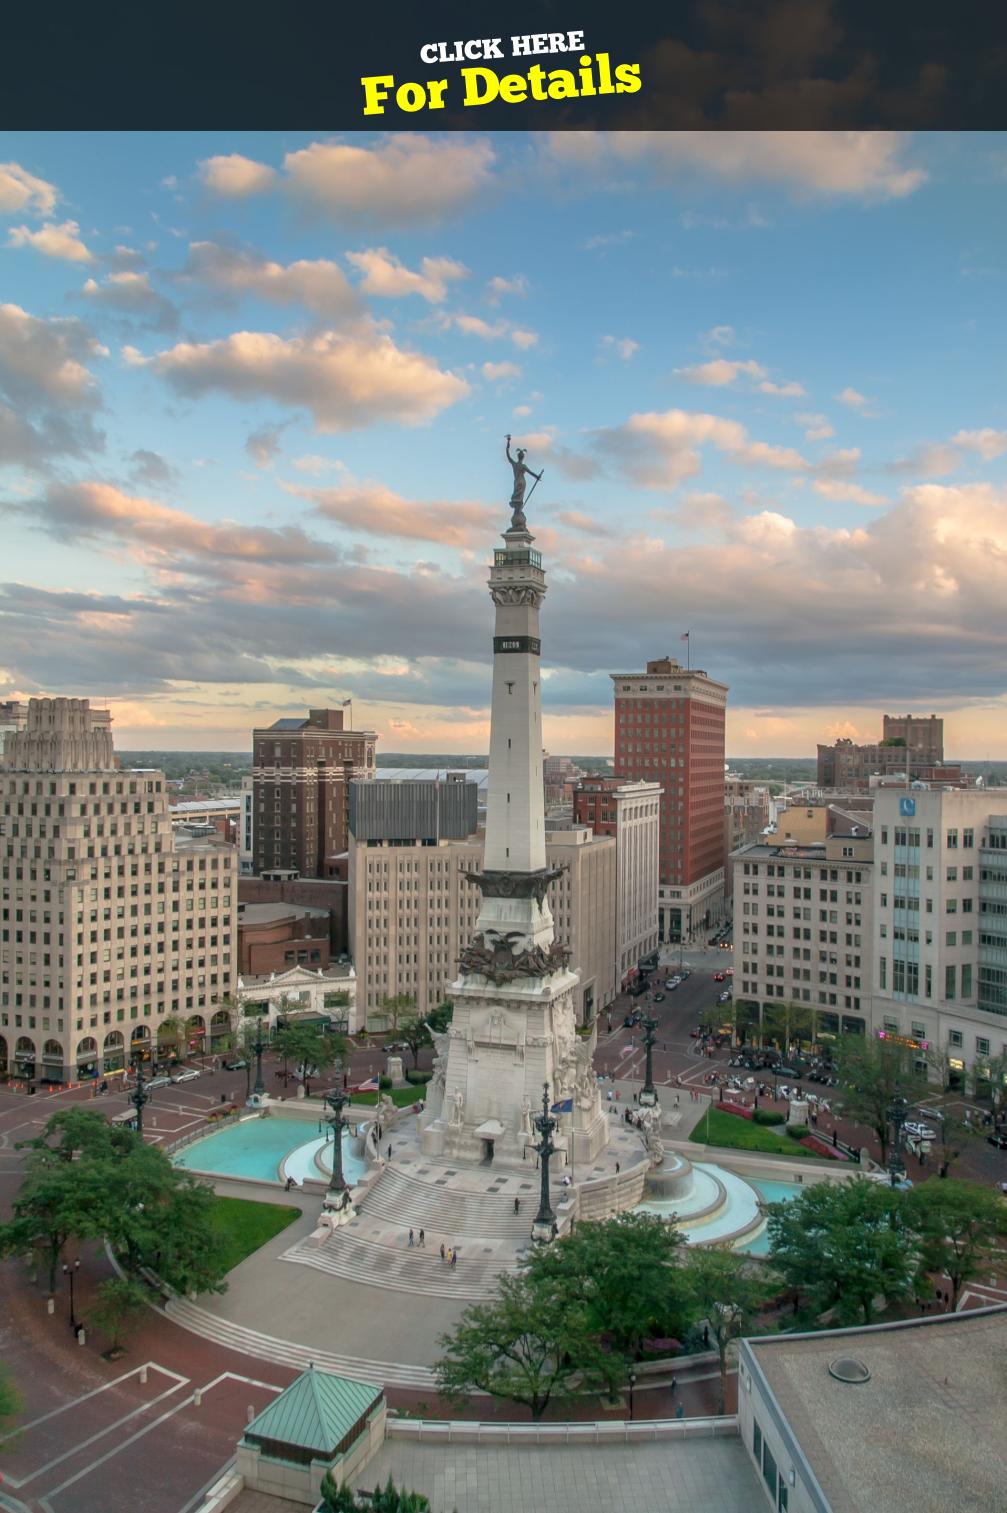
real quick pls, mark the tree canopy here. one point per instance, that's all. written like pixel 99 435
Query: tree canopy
pixel 841 1247
pixel 870 1073
pixel 86 1179
pixel 729 1291
pixel 958 1225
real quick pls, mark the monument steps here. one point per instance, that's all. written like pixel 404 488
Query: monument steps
pixel 266 1347
pixel 419 1272
pixel 449 1214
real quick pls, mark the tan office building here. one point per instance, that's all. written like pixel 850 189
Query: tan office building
pixel 802 928
pixel 109 923
pixel 411 910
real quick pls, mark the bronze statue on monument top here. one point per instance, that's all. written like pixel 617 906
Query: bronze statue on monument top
pixel 517 499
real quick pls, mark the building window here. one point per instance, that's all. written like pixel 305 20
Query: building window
pixel 954 1037
pixel 967 979
pixel 982 1046
pixel 950 973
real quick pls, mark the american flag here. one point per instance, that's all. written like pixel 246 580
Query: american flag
pixel 370 1086
pixel 684 636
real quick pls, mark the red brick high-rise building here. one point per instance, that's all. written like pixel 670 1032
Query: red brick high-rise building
pixel 301 773
pixel 669 729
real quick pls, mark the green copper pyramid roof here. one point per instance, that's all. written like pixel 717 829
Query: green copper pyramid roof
pixel 314 1413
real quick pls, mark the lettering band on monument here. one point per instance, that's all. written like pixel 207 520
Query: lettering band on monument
pixel 530 644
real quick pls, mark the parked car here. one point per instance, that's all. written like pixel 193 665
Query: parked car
pixel 187 1074
pixel 658 997
pixel 720 976
pixel 238 1065
pixel 919 1131
pixel 685 974
pixel 724 997
pixel 998 1140
pixel 158 1082
pixel 629 1021
pixel 930 1113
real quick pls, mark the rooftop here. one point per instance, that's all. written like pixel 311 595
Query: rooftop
pixel 316 1412
pixel 924 1431
pixel 270 914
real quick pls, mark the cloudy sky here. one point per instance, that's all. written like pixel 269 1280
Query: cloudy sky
pixel 254 389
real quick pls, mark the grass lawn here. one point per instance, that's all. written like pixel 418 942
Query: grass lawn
pixel 735 1133
pixel 400 1096
pixel 242 1226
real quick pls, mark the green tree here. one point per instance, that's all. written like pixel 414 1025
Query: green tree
pixel 624 1274
pixel 990 1073
pixel 170 1033
pixel 954 1136
pixel 843 1246
pixel 416 1034
pixel 530 1344
pixel 55 1203
pixel 394 1007
pixel 789 1023
pixel 313 1049
pixel 439 1019
pixel 870 1073
pixel 959 1225
pixel 386 1499
pixel 119 1308
pixel 10 1400
pixel 75 1132
pixel 729 1292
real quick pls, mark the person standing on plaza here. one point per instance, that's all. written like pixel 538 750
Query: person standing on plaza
pixel 454 1258
pixel 423 1239
pixel 443 1252
pixel 411 1240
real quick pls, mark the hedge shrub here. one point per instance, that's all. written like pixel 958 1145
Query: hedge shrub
pixel 418 1078
pixel 769 1116
pixel 385 1083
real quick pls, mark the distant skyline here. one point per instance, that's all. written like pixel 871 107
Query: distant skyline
pixel 254 389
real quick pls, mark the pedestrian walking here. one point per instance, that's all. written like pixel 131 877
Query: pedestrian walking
pixel 454 1258
pixel 618 1168
pixel 423 1239
pixel 674 1385
pixel 389 1152
pixel 517 1205
pixel 411 1240
pixel 443 1251
pixel 676 1100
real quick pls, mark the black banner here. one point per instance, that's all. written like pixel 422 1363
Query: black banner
pixel 312 65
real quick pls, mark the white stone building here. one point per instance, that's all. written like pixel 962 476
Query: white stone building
pixel 109 923
pixel 940 939
pixel 301 991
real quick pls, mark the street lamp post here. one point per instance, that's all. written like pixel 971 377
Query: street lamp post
pixel 139 1096
pixel 632 1385
pixel 544 1227
pixel 648 1093
pixel 258 1048
pixel 71 1271
pixel 898 1109
pixel 337 1196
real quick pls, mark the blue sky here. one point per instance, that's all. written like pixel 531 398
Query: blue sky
pixel 254 388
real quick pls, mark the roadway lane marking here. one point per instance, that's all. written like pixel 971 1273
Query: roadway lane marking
pixel 46 1504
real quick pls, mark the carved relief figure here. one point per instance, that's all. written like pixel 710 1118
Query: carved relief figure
pixel 458 1111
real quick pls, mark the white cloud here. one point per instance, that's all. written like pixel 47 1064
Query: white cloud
pixel 844 490
pixel 406 179
pixel 315 465
pixel 608 239
pixel 474 325
pixel 320 285
pixel 43 360
pixel 662 451
pixel 497 288
pixel 790 389
pixel 386 276
pixel 865 164
pixel 719 336
pixel 22 191
pixel 345 381
pixel 131 294
pixel 988 443
pixel 61 241
pixel 853 399
pixel 720 372
pixel 623 346
pixel 500 372
pixel 235 177
pixel 817 427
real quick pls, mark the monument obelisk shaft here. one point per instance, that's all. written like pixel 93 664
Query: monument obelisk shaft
pixel 514 1025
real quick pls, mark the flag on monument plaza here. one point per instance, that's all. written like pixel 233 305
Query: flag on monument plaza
pixel 564 1106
